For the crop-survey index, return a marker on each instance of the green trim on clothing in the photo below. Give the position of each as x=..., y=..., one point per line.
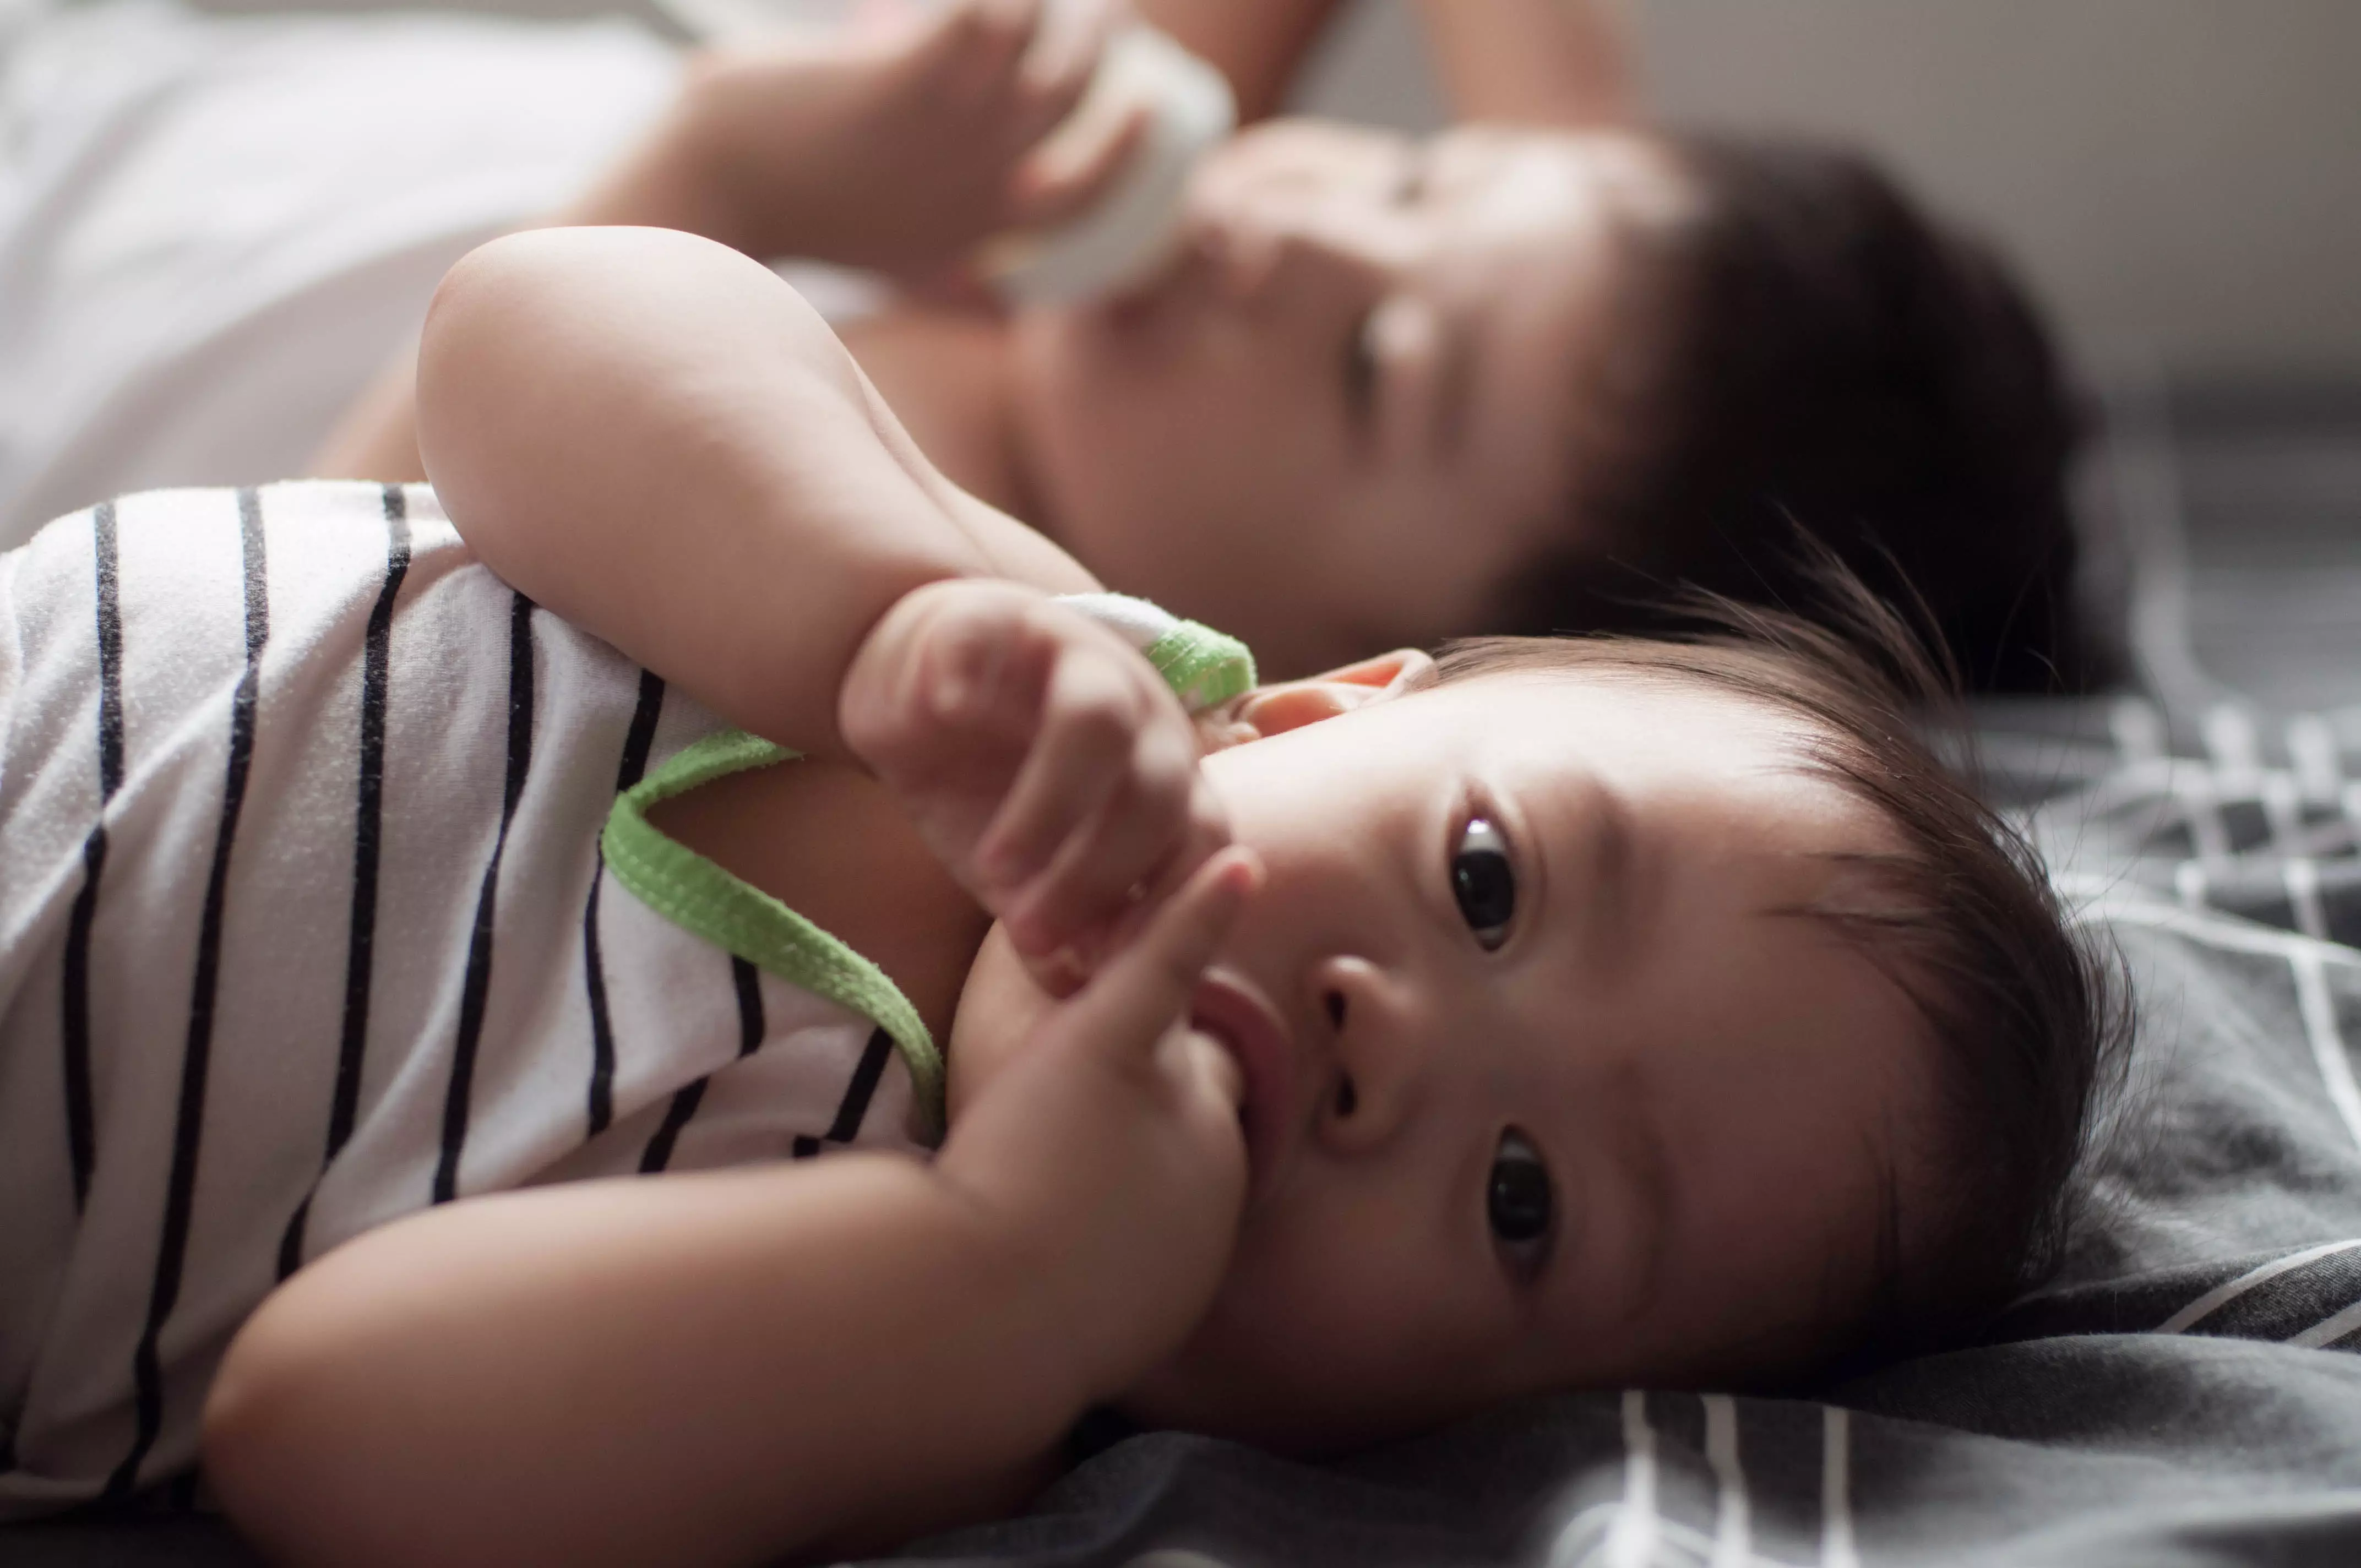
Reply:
x=693, y=892
x=1201, y=665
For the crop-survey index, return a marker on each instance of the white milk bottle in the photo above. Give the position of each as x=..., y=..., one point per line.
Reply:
x=1136, y=222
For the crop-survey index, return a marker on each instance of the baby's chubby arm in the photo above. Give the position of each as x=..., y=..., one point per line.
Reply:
x=719, y=1367
x=657, y=439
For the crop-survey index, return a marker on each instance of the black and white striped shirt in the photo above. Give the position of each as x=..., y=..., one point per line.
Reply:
x=305, y=923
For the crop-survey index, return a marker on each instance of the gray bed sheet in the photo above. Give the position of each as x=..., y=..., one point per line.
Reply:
x=2186, y=1390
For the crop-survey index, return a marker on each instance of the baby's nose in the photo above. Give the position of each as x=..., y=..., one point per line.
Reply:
x=1374, y=1057
x=1288, y=265
x=1274, y=236
x=1307, y=158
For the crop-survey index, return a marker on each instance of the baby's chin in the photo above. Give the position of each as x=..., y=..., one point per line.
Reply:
x=1000, y=1010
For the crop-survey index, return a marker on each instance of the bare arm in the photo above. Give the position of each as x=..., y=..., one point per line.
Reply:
x=1258, y=44
x=1542, y=62
x=1564, y=63
x=657, y=439
x=699, y=1369
x=715, y=1368
x=899, y=152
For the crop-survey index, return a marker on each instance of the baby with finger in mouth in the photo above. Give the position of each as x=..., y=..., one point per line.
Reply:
x=1324, y=1063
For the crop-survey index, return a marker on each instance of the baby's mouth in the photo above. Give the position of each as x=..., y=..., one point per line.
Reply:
x=1213, y=1031
x=1157, y=294
x=1235, y=1016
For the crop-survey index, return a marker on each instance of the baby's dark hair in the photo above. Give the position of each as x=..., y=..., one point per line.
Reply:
x=1816, y=347
x=2030, y=1020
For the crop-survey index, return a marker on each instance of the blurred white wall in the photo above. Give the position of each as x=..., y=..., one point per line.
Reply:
x=2180, y=177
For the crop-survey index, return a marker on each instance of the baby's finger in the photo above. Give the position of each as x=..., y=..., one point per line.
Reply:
x=972, y=675
x=1144, y=989
x=1128, y=843
x=1066, y=969
x=1064, y=59
x=979, y=44
x=1205, y=834
x=1057, y=180
x=1089, y=718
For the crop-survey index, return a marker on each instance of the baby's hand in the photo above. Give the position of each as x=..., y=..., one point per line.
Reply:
x=1042, y=759
x=901, y=148
x=1108, y=1151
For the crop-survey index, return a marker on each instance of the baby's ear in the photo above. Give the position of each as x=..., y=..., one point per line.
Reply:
x=1290, y=705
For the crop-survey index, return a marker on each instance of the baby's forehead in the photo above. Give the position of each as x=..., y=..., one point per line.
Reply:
x=1662, y=729
x=1576, y=677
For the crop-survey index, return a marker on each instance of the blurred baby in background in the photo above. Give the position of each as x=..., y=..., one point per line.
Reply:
x=799, y=1009
x=1521, y=375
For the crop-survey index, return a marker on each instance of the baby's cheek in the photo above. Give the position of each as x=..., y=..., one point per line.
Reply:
x=1309, y=1348
x=1316, y=1300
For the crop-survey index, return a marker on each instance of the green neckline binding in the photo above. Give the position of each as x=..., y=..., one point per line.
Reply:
x=698, y=895
x=1201, y=665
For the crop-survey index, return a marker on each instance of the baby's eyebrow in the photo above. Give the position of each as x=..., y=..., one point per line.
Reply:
x=1606, y=849
x=1614, y=848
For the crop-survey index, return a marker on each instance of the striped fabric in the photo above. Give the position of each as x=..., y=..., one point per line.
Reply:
x=305, y=926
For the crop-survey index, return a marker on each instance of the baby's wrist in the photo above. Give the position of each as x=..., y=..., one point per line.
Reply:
x=1029, y=1254
x=878, y=692
x=865, y=693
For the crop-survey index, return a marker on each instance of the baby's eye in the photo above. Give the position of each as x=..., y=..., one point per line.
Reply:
x=1517, y=1201
x=1484, y=883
